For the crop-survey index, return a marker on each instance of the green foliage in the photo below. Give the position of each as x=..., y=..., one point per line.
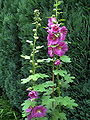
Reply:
x=26, y=105
x=34, y=77
x=57, y=115
x=42, y=87
x=66, y=101
x=6, y=110
x=65, y=78
x=65, y=58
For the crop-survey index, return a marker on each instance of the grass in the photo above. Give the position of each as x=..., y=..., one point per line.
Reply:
x=7, y=112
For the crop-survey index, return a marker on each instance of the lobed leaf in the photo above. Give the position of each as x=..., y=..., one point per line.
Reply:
x=60, y=72
x=65, y=58
x=27, y=104
x=66, y=101
x=34, y=77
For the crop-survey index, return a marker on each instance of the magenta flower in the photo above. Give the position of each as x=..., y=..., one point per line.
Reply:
x=61, y=49
x=29, y=117
x=38, y=111
x=55, y=28
x=52, y=39
x=33, y=95
x=57, y=62
x=28, y=110
x=50, y=51
x=63, y=32
x=51, y=21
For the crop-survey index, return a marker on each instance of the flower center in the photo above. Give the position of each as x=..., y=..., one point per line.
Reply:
x=56, y=28
x=38, y=111
x=54, y=38
x=59, y=47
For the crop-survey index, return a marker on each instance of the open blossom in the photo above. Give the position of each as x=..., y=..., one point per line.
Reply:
x=55, y=28
x=61, y=49
x=57, y=62
x=63, y=32
x=38, y=111
x=50, y=51
x=51, y=21
x=33, y=95
x=52, y=39
x=29, y=117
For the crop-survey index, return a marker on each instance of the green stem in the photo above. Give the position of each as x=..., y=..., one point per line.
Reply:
x=53, y=80
x=58, y=89
x=56, y=9
x=33, y=56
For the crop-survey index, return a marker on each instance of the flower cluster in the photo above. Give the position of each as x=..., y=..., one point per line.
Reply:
x=56, y=36
x=37, y=111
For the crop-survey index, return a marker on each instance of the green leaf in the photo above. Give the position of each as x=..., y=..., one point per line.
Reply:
x=59, y=2
x=68, y=78
x=49, y=60
x=64, y=84
x=42, y=87
x=38, y=47
x=62, y=116
x=65, y=58
x=57, y=115
x=53, y=46
x=25, y=57
x=46, y=101
x=48, y=91
x=48, y=84
x=39, y=88
x=42, y=60
x=62, y=20
x=60, y=72
x=27, y=104
x=66, y=101
x=34, y=77
x=40, y=118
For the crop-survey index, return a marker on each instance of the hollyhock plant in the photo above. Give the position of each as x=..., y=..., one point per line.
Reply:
x=61, y=49
x=57, y=62
x=51, y=21
x=33, y=95
x=34, y=108
x=38, y=111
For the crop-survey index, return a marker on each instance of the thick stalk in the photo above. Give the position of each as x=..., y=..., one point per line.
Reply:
x=53, y=80
x=58, y=81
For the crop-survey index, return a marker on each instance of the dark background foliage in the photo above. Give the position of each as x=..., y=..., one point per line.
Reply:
x=16, y=19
